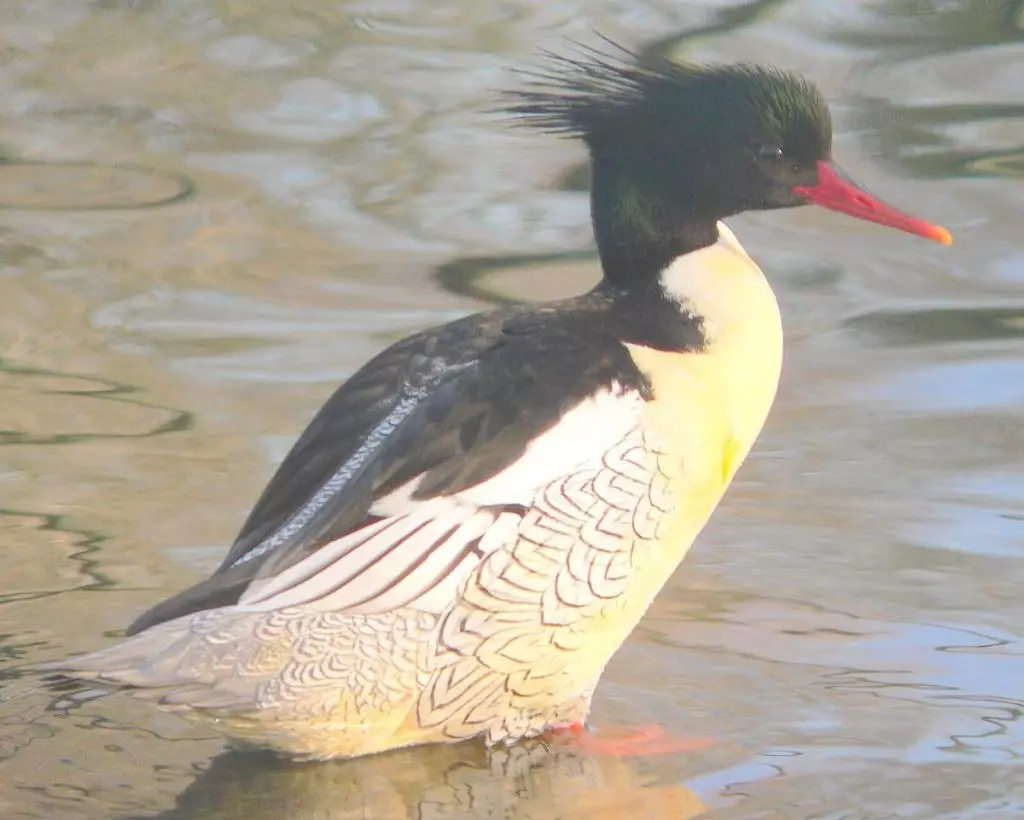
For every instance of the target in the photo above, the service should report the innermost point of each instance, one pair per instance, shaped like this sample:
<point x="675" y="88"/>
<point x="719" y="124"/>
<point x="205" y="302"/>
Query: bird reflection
<point x="464" y="781"/>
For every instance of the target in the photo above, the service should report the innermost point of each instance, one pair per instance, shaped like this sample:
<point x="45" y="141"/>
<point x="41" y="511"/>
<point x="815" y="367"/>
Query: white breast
<point x="741" y="322"/>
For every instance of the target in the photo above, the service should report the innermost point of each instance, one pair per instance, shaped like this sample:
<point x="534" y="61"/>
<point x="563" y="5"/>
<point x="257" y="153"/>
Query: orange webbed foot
<point x="625" y="741"/>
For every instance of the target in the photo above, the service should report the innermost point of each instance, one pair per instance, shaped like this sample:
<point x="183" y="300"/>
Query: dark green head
<point x="724" y="139"/>
<point x="675" y="148"/>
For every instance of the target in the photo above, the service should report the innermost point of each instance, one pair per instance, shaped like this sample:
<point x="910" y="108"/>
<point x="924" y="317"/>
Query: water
<point x="213" y="211"/>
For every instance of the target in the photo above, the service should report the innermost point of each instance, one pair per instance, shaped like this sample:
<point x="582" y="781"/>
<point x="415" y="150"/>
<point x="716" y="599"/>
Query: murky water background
<point x="212" y="211"/>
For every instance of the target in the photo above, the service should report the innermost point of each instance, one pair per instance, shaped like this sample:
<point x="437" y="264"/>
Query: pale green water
<point x="298" y="178"/>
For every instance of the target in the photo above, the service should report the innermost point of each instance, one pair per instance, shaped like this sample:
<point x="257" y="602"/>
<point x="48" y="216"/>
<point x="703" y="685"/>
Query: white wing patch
<point x="417" y="555"/>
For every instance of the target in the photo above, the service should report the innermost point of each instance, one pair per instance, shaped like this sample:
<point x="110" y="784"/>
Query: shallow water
<point x="212" y="211"/>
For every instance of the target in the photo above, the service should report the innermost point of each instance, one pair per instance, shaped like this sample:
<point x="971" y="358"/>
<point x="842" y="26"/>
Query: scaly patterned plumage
<point x="513" y="656"/>
<point x="473" y="524"/>
<point x="514" y="641"/>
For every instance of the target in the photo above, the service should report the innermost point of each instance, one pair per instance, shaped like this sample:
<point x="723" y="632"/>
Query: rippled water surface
<point x="212" y="211"/>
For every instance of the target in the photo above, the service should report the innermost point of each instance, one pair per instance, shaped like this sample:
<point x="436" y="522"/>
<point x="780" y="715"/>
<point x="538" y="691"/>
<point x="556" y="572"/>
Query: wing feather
<point x="472" y="418"/>
<point x="416" y="558"/>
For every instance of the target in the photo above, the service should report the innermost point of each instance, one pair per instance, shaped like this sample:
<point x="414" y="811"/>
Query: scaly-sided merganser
<point x="473" y="524"/>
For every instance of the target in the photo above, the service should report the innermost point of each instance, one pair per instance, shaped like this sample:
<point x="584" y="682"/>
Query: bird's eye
<point x="769" y="151"/>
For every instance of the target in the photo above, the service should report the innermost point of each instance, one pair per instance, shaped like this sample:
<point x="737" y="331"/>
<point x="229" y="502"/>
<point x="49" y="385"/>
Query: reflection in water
<point x="469" y="277"/>
<point x="904" y="29"/>
<point x="939" y="325"/>
<point x="726" y="20"/>
<point x="23" y="534"/>
<point x="921" y="139"/>
<point x="38" y="406"/>
<point x="529" y="782"/>
<point x="957" y="41"/>
<point x="81" y="186"/>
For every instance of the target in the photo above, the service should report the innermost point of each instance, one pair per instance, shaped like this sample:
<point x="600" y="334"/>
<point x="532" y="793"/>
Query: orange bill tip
<point x="838" y="192"/>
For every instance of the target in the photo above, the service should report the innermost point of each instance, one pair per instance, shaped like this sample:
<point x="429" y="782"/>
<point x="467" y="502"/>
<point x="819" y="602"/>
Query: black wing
<point x="450" y="407"/>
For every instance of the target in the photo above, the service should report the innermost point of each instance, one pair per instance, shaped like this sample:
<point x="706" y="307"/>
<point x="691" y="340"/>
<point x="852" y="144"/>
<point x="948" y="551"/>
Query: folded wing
<point x="424" y="462"/>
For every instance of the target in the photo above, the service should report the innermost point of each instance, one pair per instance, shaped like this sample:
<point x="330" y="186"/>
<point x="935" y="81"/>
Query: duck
<point x="474" y="523"/>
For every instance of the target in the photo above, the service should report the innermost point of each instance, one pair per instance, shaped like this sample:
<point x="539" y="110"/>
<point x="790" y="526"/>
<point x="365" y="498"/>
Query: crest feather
<point x="600" y="96"/>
